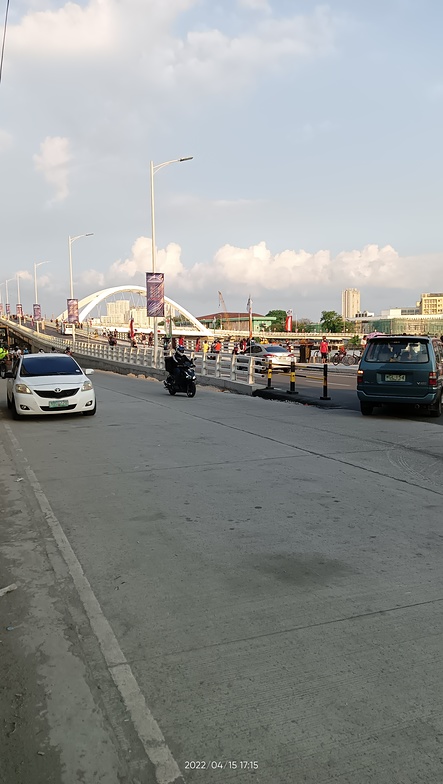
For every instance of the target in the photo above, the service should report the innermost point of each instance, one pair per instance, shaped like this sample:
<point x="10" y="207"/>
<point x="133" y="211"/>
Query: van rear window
<point x="400" y="351"/>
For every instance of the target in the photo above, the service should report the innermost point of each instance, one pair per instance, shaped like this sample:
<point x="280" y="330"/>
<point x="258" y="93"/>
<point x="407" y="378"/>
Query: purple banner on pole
<point x="19" y="310"/>
<point x="155" y="293"/>
<point x="8" y="309"/>
<point x="72" y="311"/>
<point x="37" y="311"/>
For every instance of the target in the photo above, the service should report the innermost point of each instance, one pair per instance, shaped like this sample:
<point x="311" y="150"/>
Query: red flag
<point x="131" y="328"/>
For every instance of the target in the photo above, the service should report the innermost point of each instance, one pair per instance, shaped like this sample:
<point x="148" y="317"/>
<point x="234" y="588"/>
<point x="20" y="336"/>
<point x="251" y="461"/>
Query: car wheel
<point x="436" y="409"/>
<point x="90" y="411"/>
<point x="15" y="414"/>
<point x="366" y="409"/>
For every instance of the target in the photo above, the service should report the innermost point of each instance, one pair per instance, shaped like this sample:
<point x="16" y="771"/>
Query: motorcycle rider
<point x="180" y="361"/>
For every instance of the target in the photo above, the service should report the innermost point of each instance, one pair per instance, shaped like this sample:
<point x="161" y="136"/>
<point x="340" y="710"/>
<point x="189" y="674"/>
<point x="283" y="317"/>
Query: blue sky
<point x="315" y="130"/>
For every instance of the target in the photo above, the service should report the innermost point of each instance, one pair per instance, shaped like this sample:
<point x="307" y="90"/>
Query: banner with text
<point x="8" y="309"/>
<point x="72" y="311"/>
<point x="37" y="312"/>
<point x="19" y="310"/>
<point x="155" y="294"/>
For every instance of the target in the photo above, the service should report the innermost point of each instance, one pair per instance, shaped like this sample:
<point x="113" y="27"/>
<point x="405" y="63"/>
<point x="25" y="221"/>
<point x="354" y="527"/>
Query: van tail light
<point x="432" y="379"/>
<point x="360" y="376"/>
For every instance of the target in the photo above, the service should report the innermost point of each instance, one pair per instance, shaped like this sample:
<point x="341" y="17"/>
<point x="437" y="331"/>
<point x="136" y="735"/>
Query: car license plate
<point x="58" y="403"/>
<point x="390" y="377"/>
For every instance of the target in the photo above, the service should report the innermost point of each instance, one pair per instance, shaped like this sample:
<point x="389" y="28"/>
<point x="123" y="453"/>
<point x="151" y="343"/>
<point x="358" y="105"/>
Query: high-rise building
<point x="431" y="304"/>
<point x="350" y="303"/>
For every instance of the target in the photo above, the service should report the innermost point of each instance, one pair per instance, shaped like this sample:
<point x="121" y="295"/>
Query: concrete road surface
<point x="221" y="589"/>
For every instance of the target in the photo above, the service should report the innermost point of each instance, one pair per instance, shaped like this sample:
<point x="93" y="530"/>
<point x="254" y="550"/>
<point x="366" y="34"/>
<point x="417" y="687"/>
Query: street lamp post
<point x="37" y="264"/>
<point x="7" y="294"/>
<point x="155" y="168"/>
<point x="70" y="241"/>
<point x="17" y="277"/>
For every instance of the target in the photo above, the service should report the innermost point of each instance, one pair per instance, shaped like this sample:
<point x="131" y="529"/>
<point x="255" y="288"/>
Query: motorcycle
<point x="185" y="379"/>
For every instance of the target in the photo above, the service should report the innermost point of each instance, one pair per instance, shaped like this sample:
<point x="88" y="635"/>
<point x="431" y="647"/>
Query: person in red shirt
<point x="324" y="349"/>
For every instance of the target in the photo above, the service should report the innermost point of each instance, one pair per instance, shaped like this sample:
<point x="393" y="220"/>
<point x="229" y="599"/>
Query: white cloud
<point x="167" y="261"/>
<point x="258" y="270"/>
<point x="53" y="162"/>
<point x="140" y="34"/>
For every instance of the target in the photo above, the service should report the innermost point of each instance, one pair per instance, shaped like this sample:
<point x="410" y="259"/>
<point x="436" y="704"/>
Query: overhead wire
<point x="4" y="40"/>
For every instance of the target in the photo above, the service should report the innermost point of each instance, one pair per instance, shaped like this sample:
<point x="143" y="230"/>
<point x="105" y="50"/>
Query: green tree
<point x="280" y="320"/>
<point x="302" y="325"/>
<point x="331" y="321"/>
<point x="355" y="340"/>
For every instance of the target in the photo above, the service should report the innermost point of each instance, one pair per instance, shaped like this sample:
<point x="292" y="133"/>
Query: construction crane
<point x="221" y="304"/>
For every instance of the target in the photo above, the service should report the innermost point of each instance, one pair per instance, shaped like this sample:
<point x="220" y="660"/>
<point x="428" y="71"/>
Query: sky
<point x="315" y="131"/>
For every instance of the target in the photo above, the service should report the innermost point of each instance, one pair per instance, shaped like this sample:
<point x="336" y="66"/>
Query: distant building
<point x="431" y="304"/>
<point x="350" y="303"/>
<point x="364" y="314"/>
<point x="237" y="322"/>
<point x="397" y="312"/>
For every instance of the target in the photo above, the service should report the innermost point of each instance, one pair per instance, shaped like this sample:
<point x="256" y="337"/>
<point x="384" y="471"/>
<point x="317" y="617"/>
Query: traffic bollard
<point x="269" y="374"/>
<point x="325" y="396"/>
<point x="292" y="388"/>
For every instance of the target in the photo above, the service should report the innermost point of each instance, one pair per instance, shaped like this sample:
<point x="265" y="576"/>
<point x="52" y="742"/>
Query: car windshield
<point x="398" y="350"/>
<point x="42" y="365"/>
<point x="276" y="350"/>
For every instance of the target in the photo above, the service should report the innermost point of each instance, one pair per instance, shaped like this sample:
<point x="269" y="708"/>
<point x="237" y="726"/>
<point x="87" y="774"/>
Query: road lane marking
<point x="149" y="732"/>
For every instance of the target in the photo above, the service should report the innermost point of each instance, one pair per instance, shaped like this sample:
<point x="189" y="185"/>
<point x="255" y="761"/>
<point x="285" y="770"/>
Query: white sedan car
<point x="49" y="384"/>
<point x="263" y="352"/>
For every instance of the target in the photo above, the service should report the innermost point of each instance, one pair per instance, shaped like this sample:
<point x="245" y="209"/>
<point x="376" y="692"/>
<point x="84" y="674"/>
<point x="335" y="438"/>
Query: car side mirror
<point x="88" y="372"/>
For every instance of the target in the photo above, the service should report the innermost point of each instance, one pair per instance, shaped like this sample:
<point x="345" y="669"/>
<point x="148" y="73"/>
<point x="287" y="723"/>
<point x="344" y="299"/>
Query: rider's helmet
<point x="181" y="349"/>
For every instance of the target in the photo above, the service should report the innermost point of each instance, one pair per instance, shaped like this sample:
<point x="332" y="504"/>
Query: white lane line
<point x="149" y="732"/>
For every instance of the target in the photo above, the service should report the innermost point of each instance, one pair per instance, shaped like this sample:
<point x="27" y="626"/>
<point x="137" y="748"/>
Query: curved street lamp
<point x="37" y="264"/>
<point x="155" y="168"/>
<point x="7" y="294"/>
<point x="70" y="241"/>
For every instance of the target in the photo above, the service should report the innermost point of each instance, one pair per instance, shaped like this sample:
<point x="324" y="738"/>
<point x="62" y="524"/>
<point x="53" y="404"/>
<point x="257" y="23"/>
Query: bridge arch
<point x="88" y="303"/>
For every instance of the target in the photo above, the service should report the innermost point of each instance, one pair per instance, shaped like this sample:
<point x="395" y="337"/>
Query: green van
<point x="401" y="370"/>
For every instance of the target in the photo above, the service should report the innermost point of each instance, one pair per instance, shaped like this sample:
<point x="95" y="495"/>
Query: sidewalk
<point x="60" y="716"/>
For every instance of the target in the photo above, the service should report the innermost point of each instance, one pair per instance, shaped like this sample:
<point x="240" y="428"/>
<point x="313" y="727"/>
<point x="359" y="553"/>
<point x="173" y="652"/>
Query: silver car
<point x="263" y="352"/>
<point x="51" y="384"/>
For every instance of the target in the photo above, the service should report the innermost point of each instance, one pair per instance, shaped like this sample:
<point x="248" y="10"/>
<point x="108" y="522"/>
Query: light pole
<point x="17" y="277"/>
<point x="155" y="168"/>
<point x="7" y="294"/>
<point x="70" y="241"/>
<point x="37" y="264"/>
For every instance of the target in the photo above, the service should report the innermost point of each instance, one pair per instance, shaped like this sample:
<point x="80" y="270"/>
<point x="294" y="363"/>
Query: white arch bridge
<point x="191" y="325"/>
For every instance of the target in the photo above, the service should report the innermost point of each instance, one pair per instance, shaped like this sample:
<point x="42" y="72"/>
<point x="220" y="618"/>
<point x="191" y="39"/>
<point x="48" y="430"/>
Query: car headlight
<point x="87" y="385"/>
<point x="23" y="389"/>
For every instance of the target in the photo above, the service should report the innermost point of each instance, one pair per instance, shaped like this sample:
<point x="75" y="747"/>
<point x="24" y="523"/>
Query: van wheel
<point x="366" y="409"/>
<point x="436" y="409"/>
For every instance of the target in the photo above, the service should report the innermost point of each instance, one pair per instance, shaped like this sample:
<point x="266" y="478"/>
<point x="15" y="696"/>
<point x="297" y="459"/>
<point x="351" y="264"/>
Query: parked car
<point x="281" y="357"/>
<point x="401" y="370"/>
<point x="49" y="384"/>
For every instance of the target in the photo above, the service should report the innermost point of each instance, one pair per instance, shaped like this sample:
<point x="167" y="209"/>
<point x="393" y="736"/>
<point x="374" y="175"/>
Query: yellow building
<point x="431" y="304"/>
